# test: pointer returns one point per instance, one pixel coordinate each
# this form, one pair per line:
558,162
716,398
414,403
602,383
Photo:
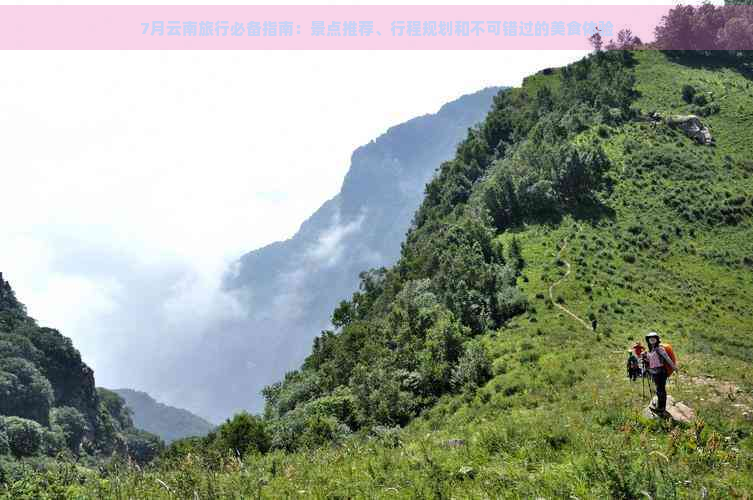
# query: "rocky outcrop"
693,128
676,410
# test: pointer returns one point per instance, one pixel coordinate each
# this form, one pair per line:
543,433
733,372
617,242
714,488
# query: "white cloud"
196,299
289,304
329,246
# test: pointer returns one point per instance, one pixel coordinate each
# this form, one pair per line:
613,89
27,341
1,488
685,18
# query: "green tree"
474,368
579,171
321,430
688,92
4,443
243,434
53,441
515,255
24,391
72,425
382,394
441,349
13,345
24,436
143,447
116,407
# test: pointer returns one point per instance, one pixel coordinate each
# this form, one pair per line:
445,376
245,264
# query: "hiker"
638,349
660,366
593,324
633,366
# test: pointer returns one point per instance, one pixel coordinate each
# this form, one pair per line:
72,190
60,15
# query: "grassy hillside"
453,374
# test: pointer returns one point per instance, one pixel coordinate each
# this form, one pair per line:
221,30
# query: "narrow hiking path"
563,278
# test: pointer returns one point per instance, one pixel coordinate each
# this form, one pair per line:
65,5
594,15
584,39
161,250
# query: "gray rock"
677,410
455,443
466,472
693,128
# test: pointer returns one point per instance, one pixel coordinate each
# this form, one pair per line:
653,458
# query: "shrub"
630,145
143,446
115,405
24,436
510,302
26,392
382,395
180,448
473,369
579,171
736,201
700,100
388,436
710,109
529,357
688,92
244,433
71,424
53,442
4,443
321,430
442,347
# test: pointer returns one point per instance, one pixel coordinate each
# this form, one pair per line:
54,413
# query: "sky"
130,180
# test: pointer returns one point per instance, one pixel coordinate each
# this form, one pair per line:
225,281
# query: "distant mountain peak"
166,421
290,288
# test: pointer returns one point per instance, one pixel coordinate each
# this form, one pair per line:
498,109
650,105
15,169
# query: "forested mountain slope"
49,405
499,391
289,288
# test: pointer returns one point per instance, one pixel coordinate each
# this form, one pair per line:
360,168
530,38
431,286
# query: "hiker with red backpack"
661,364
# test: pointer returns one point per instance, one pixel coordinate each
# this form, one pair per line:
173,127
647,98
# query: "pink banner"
540,27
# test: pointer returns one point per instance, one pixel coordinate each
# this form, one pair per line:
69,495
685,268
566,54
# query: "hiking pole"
643,385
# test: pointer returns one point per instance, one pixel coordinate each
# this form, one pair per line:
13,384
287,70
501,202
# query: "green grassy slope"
669,247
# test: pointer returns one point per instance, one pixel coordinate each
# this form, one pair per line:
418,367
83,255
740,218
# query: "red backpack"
671,354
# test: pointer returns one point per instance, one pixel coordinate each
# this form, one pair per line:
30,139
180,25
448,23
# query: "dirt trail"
551,290
721,390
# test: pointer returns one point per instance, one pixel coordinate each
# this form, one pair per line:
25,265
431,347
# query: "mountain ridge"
290,287
168,422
